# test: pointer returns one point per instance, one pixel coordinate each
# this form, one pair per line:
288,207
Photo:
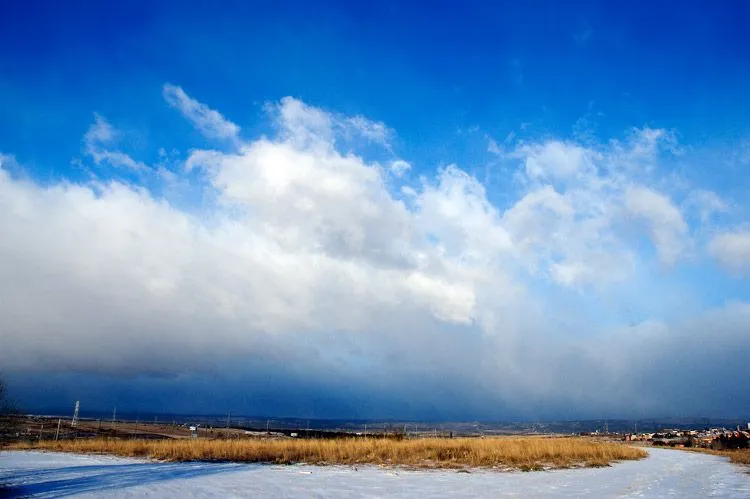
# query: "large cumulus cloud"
312,278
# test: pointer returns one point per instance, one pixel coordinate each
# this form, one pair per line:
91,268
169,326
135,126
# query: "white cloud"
645,143
99,139
666,226
308,125
732,250
569,237
209,122
555,160
304,239
311,259
568,223
100,132
494,147
465,226
374,131
302,124
707,203
399,167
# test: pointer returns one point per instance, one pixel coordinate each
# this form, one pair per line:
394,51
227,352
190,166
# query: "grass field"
740,456
525,453
736,456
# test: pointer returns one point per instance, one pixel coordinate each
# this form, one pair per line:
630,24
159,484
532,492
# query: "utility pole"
267,423
74,422
57,433
40,431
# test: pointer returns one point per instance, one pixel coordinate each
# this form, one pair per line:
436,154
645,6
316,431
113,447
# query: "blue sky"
324,186
429,73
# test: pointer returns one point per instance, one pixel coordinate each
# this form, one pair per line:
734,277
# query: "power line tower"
74,422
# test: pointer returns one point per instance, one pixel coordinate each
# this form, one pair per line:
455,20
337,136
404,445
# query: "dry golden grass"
527,453
739,456
736,456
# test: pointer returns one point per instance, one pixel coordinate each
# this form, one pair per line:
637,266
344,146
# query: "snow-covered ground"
664,473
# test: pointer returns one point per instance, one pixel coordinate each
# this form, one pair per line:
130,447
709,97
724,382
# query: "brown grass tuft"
524,453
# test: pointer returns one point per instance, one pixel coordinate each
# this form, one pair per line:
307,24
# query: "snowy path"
665,473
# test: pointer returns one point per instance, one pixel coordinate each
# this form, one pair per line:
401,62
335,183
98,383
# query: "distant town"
708,438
